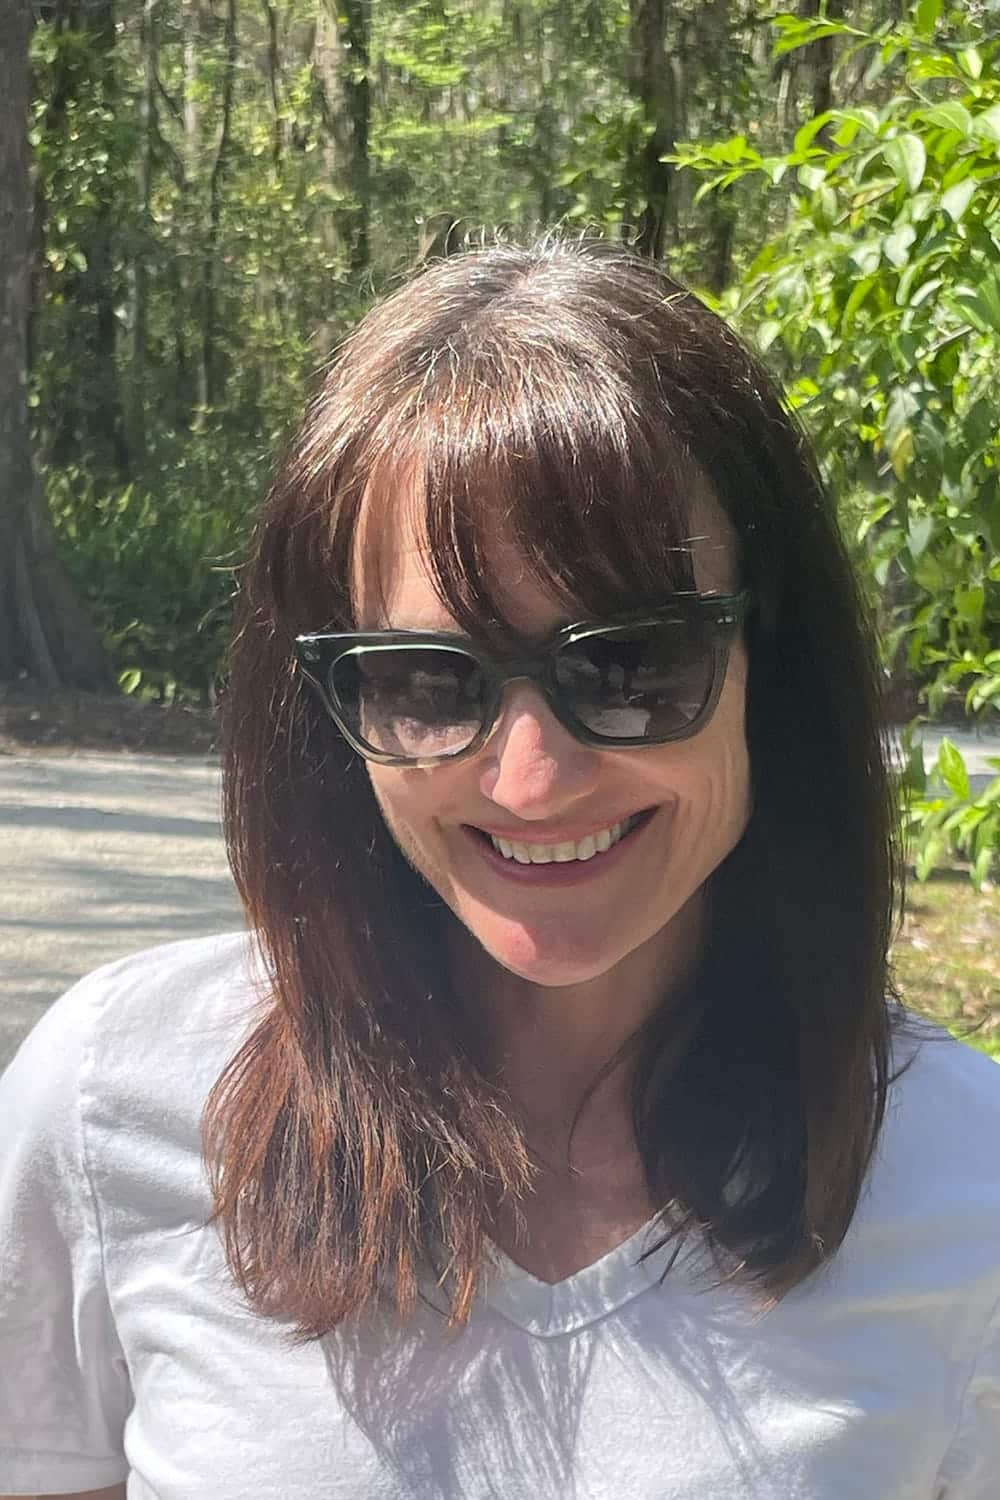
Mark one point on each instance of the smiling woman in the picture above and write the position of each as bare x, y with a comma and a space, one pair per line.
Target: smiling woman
558, 1130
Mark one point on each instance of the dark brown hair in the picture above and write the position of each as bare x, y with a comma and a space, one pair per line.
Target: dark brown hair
359, 1137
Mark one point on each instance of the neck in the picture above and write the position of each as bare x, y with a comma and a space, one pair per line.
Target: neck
550, 1043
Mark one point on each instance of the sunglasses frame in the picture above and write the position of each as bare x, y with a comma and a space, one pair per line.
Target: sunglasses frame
317, 655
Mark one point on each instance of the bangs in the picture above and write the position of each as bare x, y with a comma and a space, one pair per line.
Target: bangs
532, 450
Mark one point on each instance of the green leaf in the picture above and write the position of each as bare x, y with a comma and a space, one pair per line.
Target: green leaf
867, 257
969, 603
989, 294
957, 172
949, 116
980, 305
906, 157
853, 120
926, 16
951, 768
920, 206
901, 453
768, 331
970, 61
130, 679
897, 245
902, 407
846, 132
805, 136
930, 856
796, 33
936, 65
919, 532
914, 775
811, 177
854, 302
981, 868
986, 126
957, 199
981, 693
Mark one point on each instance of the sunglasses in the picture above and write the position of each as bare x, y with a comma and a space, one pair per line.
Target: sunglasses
414, 698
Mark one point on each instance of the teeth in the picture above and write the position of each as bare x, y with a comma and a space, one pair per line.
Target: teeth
543, 854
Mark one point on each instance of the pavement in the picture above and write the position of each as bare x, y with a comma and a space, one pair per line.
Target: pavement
106, 854
103, 854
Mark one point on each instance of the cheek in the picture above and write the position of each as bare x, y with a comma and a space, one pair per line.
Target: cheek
396, 801
713, 782
408, 802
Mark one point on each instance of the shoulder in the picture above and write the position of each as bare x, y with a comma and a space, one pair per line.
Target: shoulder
134, 1034
932, 1201
943, 1109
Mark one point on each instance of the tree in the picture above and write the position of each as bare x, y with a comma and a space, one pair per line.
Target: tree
44, 630
654, 86
881, 300
221, 188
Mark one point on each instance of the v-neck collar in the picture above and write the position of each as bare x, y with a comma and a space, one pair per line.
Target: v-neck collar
545, 1309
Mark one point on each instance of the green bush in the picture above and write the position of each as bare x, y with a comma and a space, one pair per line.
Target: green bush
155, 560
880, 303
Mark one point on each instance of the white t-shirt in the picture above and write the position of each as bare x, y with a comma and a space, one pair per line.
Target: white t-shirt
126, 1350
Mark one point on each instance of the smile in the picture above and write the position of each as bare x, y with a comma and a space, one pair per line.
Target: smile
545, 854
564, 863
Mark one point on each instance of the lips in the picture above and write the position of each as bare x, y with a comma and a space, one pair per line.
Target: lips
559, 863
591, 845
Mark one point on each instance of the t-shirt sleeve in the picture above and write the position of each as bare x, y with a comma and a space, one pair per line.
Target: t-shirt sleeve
971, 1469
64, 1385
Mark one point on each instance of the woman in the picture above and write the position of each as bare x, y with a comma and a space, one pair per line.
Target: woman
555, 1130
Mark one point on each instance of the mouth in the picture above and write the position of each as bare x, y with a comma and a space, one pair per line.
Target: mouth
563, 863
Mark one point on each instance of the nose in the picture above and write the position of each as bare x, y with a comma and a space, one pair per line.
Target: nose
532, 765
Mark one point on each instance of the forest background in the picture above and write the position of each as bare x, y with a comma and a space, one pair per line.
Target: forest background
198, 198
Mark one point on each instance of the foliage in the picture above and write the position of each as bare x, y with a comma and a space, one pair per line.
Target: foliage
946, 956
221, 191
157, 563
880, 299
946, 815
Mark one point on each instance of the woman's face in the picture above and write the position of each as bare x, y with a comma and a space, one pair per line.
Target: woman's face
532, 784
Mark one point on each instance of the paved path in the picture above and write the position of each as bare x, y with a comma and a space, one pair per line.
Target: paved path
106, 854
102, 855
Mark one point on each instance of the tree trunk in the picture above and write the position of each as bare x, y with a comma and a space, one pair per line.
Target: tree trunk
721, 236
652, 82
213, 378
90, 423
44, 630
545, 128
274, 80
342, 61
109, 415
191, 26
149, 41
824, 57
727, 62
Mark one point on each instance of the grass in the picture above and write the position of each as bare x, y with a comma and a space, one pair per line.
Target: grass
947, 956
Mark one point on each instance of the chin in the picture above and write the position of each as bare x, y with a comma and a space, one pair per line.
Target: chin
547, 963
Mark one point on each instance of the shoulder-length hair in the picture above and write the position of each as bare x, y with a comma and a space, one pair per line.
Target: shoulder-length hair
359, 1136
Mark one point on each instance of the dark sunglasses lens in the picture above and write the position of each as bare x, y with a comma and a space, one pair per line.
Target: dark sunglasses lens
649, 682
414, 702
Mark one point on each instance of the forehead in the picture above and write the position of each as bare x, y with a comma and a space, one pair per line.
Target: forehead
394, 585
